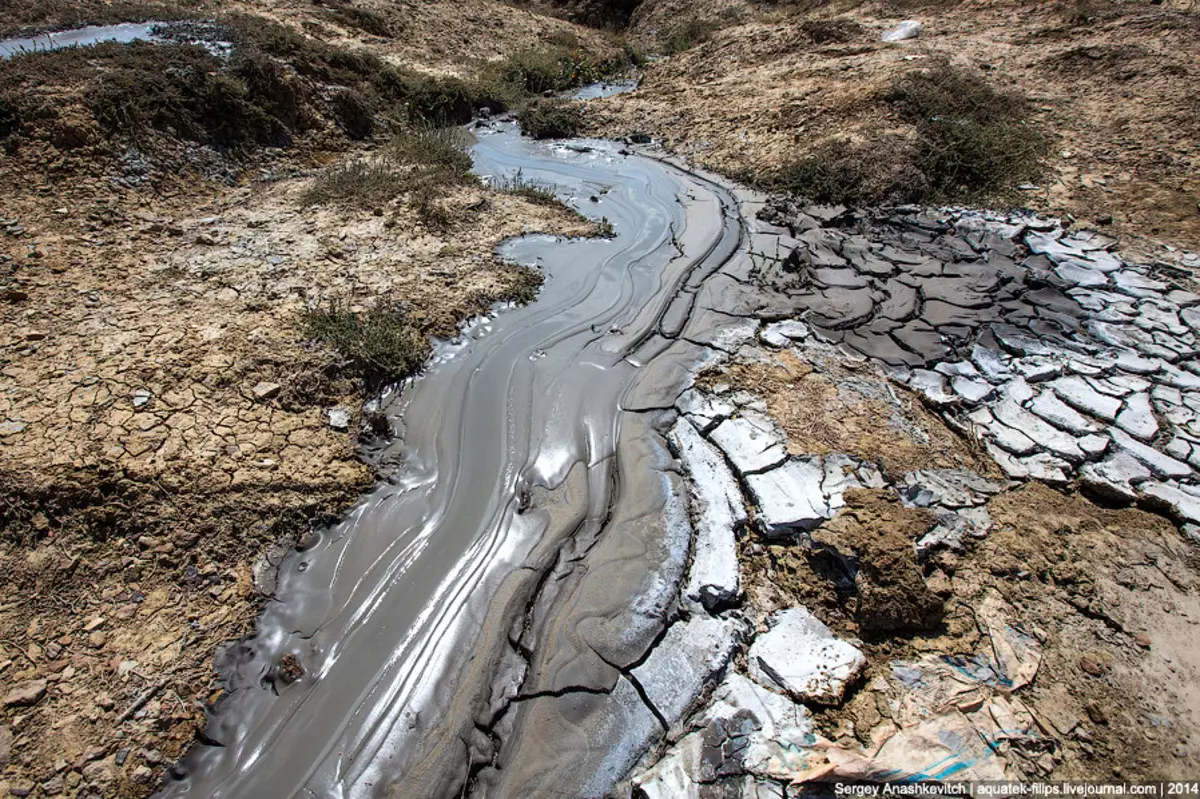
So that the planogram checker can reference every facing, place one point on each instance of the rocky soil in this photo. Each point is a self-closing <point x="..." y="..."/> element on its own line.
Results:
<point x="1113" y="81"/>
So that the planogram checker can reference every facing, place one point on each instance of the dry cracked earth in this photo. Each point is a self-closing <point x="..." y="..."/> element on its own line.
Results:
<point x="942" y="465"/>
<point x="945" y="513"/>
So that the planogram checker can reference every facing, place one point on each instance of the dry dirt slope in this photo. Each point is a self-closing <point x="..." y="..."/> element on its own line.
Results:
<point x="1115" y="82"/>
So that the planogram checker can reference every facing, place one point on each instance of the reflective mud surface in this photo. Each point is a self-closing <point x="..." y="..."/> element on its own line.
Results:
<point x="205" y="34"/>
<point x="475" y="622"/>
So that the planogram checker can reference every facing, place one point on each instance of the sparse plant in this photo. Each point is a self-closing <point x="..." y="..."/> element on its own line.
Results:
<point x="534" y="191"/>
<point x="687" y="34"/>
<point x="365" y="184"/>
<point x="973" y="140"/>
<point x="362" y="19"/>
<point x="379" y="346"/>
<point x="551" y="119"/>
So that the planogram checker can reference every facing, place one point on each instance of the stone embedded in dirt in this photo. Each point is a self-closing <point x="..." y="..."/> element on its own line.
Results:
<point x="684" y="662"/>
<point x="1137" y="285"/>
<point x="1092" y="665"/>
<point x="990" y="363"/>
<point x="339" y="418"/>
<point x="973" y="391"/>
<point x="1115" y="476"/>
<point x="951" y="488"/>
<point x="1005" y="437"/>
<point x="266" y="390"/>
<point x="746" y="730"/>
<point x="1047" y="468"/>
<point x="802" y="657"/>
<point x="752" y="441"/>
<point x="932" y="385"/>
<point x="1042" y="433"/>
<point x="26" y="694"/>
<point x="719" y="512"/>
<point x="781" y="334"/>
<point x="704" y="410"/>
<point x="790" y="498"/>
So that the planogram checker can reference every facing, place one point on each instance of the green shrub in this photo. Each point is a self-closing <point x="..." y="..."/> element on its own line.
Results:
<point x="361" y="19"/>
<point x="972" y="139"/>
<point x="687" y="34"/>
<point x="531" y="190"/>
<point x="550" y="69"/>
<point x="365" y="184"/>
<point x="551" y="119"/>
<point x="430" y="149"/>
<point x="380" y="346"/>
<point x="276" y="84"/>
<point x="25" y="16"/>
<point x="423" y="162"/>
<point x="827" y="31"/>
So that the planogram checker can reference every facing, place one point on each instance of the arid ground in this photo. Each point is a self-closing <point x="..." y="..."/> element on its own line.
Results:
<point x="172" y="418"/>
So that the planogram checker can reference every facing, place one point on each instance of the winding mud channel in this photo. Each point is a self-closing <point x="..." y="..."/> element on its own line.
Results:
<point x="473" y="623"/>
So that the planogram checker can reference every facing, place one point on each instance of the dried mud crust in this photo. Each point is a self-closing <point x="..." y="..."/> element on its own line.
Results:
<point x="163" y="423"/>
<point x="1114" y="81"/>
<point x="1109" y="594"/>
<point x="823" y="408"/>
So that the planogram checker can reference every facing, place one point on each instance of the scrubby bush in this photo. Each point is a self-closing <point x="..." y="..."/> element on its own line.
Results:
<point x="379" y="346"/>
<point x="362" y="19"/>
<point x="971" y="142"/>
<point x="422" y="163"/>
<point x="831" y="31"/>
<point x="551" y="119"/>
<point x="519" y="186"/>
<point x="275" y="85"/>
<point x="841" y="171"/>
<point x="687" y="34"/>
<point x="549" y="69"/>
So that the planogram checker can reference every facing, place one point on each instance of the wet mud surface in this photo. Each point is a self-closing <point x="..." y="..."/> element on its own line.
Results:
<point x="603" y="562"/>
<point x="535" y="521"/>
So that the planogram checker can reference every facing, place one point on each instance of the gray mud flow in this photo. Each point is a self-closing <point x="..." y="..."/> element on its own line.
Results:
<point x="470" y="628"/>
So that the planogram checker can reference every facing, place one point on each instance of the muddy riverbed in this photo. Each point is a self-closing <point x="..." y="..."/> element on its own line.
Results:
<point x="616" y="553"/>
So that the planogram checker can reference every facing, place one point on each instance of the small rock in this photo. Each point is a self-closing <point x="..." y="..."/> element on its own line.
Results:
<point x="803" y="657"/>
<point x="339" y="418"/>
<point x="266" y="391"/>
<point x="26" y="694"/>
<point x="1142" y="640"/>
<point x="1091" y="665"/>
<point x="206" y="239"/>
<point x="97" y="639"/>
<point x="1095" y="712"/>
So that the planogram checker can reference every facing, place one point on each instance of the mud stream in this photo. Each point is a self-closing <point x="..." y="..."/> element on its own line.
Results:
<point x="470" y="628"/>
